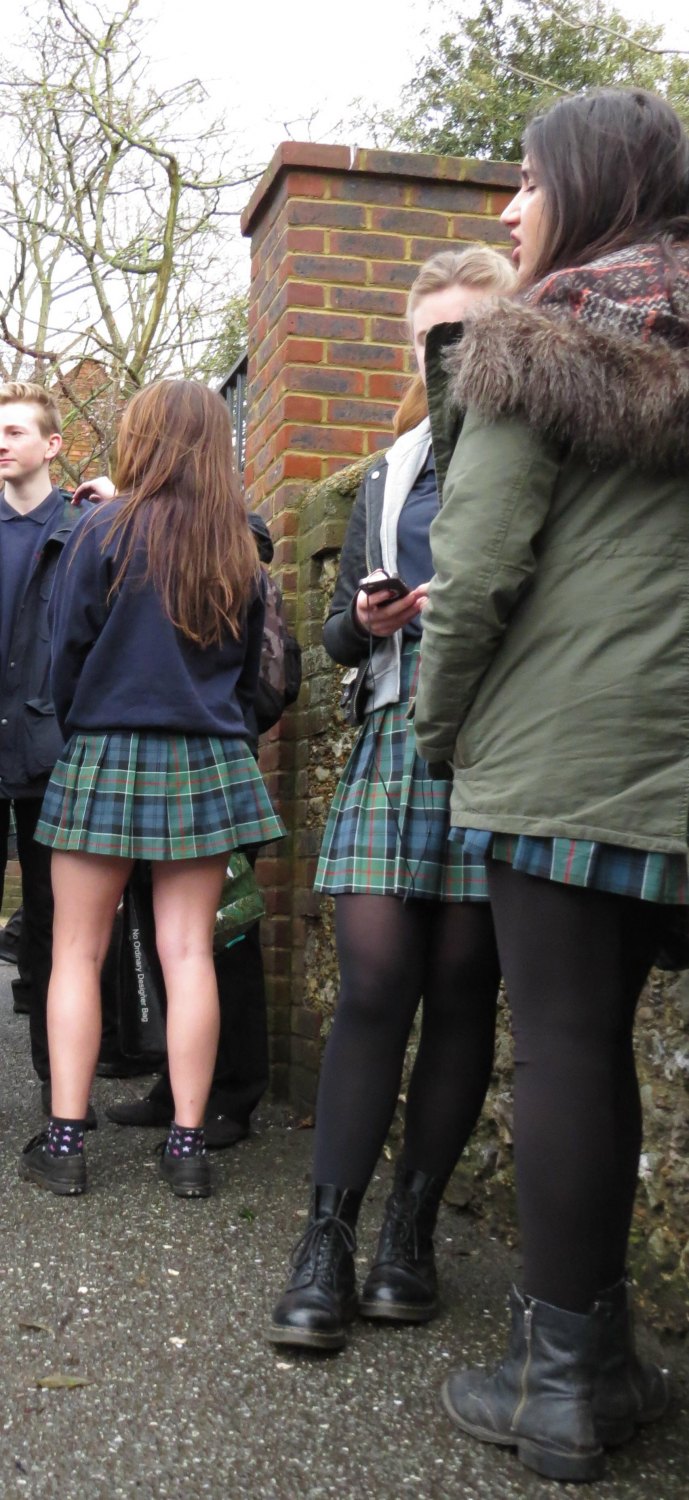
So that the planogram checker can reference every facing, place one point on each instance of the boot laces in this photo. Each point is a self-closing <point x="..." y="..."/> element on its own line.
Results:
<point x="404" y="1226"/>
<point x="315" y="1240"/>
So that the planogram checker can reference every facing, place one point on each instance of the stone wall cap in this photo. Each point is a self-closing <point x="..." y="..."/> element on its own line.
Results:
<point x="344" y="482"/>
<point x="310" y="156"/>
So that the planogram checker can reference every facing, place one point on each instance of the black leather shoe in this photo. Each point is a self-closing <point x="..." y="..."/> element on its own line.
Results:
<point x="188" y="1176"/>
<point x="125" y="1067"/>
<point x="402" y="1286"/>
<point x="320" y="1298"/>
<point x="22" y="993"/>
<point x="141" y="1112"/>
<point x="64" y="1175"/>
<point x="90" y="1119"/>
<point x="220" y="1131"/>
<point x="628" y="1391"/>
<point x="9" y="944"/>
<point x="540" y="1399"/>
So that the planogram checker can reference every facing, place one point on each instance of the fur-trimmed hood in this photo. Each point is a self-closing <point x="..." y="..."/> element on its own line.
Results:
<point x="588" y="362"/>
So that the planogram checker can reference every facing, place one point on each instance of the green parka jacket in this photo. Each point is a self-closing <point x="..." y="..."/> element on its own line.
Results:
<point x="555" y="657"/>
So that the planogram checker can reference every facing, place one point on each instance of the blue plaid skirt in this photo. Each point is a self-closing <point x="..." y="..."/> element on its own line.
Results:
<point x="144" y="795"/>
<point x="388" y="825"/>
<point x="646" y="874"/>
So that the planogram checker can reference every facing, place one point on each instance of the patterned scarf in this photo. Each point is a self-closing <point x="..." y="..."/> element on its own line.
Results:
<point x="642" y="291"/>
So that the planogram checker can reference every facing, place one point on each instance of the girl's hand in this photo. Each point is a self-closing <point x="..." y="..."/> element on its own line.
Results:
<point x="381" y="614"/>
<point x="101" y="488"/>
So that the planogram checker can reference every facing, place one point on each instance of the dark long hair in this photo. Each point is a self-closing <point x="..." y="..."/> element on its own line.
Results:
<point x="614" y="168"/>
<point x="182" y="499"/>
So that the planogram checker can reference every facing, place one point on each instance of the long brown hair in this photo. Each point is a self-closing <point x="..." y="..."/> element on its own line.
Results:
<point x="182" y="499"/>
<point x="476" y="266"/>
<point x="613" y="165"/>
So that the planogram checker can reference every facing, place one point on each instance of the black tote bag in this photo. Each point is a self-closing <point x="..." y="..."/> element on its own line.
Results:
<point x="142" y="1005"/>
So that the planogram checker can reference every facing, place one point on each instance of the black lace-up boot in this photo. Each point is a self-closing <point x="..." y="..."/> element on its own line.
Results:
<point x="540" y="1399"/>
<point x="627" y="1390"/>
<point x="402" y="1285"/>
<point x="320" y="1297"/>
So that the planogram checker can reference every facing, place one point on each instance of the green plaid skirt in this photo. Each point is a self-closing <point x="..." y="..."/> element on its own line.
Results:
<point x="145" y="795"/>
<point x="387" y="829"/>
<point x="645" y="874"/>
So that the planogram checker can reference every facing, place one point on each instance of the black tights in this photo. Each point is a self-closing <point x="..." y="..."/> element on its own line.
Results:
<point x="574" y="963"/>
<point x="390" y="953"/>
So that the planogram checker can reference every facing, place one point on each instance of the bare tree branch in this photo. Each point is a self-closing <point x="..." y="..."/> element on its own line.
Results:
<point x="618" y="36"/>
<point x="115" y="221"/>
<point x="504" y="62"/>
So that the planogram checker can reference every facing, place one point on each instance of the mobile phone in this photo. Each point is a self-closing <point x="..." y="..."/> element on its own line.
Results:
<point x="380" y="582"/>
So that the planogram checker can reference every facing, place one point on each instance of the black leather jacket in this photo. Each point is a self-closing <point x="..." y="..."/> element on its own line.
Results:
<point x="361" y="553"/>
<point x="30" y="741"/>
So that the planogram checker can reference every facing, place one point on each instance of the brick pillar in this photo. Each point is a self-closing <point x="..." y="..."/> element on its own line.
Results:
<point x="337" y="235"/>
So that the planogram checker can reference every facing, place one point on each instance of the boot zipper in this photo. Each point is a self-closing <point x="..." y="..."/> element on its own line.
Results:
<point x="528" y="1316"/>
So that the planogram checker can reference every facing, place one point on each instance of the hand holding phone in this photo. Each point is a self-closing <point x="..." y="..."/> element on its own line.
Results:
<point x="384" y="603"/>
<point x="380" y="582"/>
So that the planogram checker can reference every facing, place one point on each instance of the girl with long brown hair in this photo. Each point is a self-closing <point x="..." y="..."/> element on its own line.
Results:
<point x="156" y="619"/>
<point x="554" y="681"/>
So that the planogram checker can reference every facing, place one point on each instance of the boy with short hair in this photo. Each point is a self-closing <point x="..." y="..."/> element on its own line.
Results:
<point x="35" y="521"/>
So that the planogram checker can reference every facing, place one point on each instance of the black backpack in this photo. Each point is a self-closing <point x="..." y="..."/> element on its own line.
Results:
<point x="279" y="678"/>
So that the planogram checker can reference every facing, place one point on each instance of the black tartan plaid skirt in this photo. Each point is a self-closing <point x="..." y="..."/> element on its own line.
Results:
<point x="143" y="795"/>
<point x="387" y="830"/>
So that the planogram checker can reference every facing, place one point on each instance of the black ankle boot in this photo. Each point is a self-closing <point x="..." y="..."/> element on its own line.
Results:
<point x="320" y="1297"/>
<point x="539" y="1400"/>
<point x="627" y="1390"/>
<point x="402" y="1285"/>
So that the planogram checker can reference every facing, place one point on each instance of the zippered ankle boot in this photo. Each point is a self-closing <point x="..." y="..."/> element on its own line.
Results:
<point x="320" y="1297"/>
<point x="627" y="1390"/>
<point x="539" y="1400"/>
<point x="402" y="1285"/>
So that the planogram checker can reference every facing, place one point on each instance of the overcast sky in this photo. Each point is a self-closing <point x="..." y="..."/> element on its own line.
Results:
<point x="272" y="67"/>
<point x="269" y="63"/>
<point x="278" y="71"/>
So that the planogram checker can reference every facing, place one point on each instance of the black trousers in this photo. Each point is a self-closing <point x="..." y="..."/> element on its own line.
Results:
<point x="21" y="986"/>
<point x="37" y="929"/>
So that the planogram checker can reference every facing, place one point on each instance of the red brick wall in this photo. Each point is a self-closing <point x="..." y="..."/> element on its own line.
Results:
<point x="336" y="240"/>
<point x="337" y="236"/>
<point x="86" y="446"/>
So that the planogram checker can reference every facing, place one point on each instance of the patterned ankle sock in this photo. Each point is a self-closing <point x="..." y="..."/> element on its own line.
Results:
<point x="183" y="1141"/>
<point x="65" y="1137"/>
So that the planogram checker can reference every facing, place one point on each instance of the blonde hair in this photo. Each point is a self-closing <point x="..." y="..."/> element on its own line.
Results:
<point x="49" y="417"/>
<point x="477" y="266"/>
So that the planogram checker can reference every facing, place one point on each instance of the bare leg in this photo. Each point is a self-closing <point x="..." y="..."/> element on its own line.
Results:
<point x="86" y="888"/>
<point x="186" y="895"/>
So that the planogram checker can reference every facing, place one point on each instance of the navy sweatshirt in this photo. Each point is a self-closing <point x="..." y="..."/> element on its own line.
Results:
<point x="124" y="665"/>
<point x="414" y="561"/>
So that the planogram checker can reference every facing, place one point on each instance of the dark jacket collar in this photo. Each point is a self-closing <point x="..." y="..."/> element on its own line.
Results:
<point x="445" y="414"/>
<point x="66" y="522"/>
<point x="38" y="514"/>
